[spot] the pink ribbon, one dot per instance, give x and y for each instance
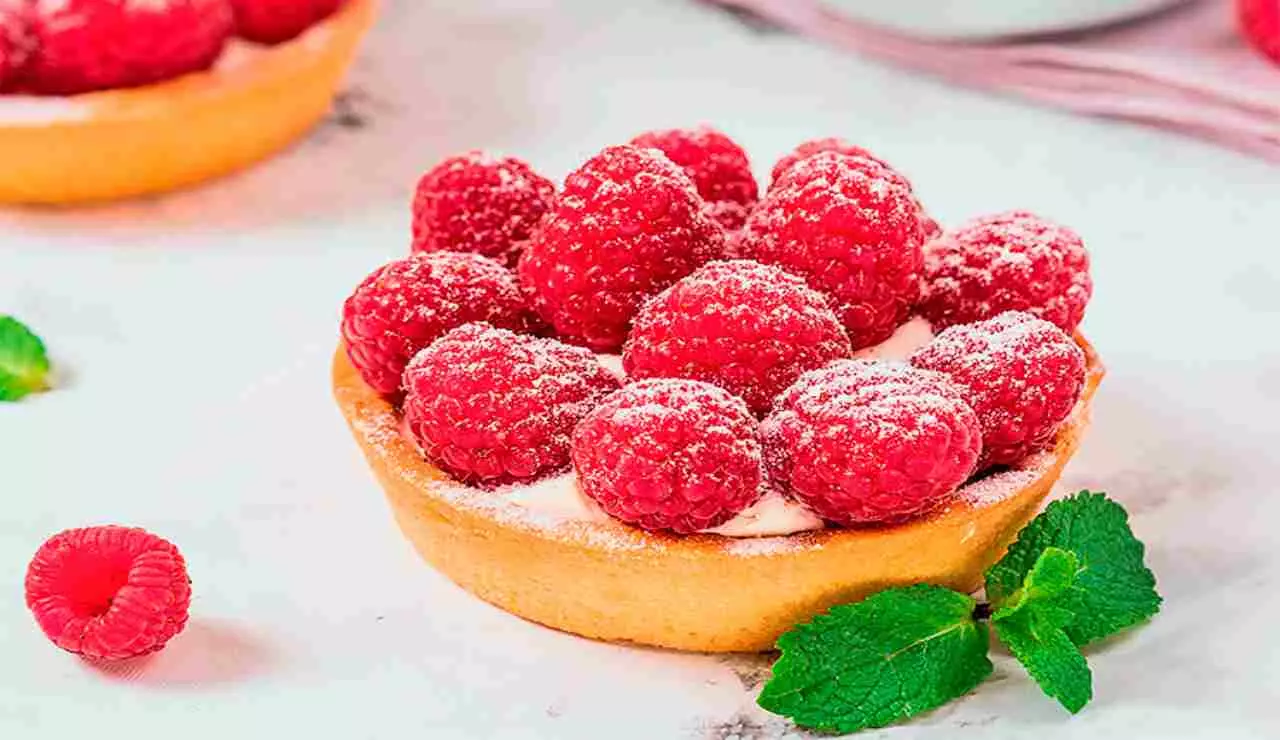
(1186, 70)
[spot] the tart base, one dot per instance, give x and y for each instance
(121, 143)
(706, 593)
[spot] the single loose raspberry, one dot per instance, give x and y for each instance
(1013, 261)
(274, 21)
(405, 305)
(865, 442)
(628, 224)
(85, 45)
(852, 228)
(812, 147)
(1022, 375)
(749, 328)
(108, 592)
(669, 454)
(16, 43)
(476, 202)
(718, 167)
(492, 407)
(1260, 23)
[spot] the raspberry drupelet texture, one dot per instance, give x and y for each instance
(749, 328)
(275, 21)
(477, 202)
(493, 407)
(1022, 375)
(864, 443)
(406, 304)
(628, 224)
(86, 45)
(108, 592)
(812, 147)
(852, 228)
(718, 167)
(670, 455)
(1013, 261)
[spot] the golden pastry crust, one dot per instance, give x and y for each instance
(121, 143)
(704, 592)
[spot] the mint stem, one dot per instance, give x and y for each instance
(982, 611)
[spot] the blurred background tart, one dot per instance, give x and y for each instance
(101, 101)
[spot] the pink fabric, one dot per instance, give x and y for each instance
(1186, 70)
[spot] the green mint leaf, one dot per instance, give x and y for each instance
(1035, 636)
(872, 663)
(1054, 572)
(1112, 590)
(24, 365)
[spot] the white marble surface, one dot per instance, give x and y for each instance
(193, 333)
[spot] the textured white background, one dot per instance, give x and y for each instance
(193, 334)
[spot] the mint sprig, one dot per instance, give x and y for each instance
(1075, 575)
(1113, 590)
(24, 363)
(880, 660)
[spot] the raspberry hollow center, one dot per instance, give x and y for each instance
(91, 582)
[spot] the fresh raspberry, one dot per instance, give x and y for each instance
(406, 304)
(15, 41)
(628, 224)
(475, 202)
(852, 228)
(1011, 261)
(1260, 22)
(816, 146)
(749, 328)
(669, 454)
(1021, 374)
(865, 442)
(494, 407)
(108, 592)
(85, 45)
(718, 167)
(274, 21)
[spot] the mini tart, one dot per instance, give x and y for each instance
(121, 143)
(707, 593)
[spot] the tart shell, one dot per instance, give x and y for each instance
(708, 593)
(121, 143)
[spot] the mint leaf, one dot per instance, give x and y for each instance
(1112, 590)
(24, 365)
(1030, 624)
(1035, 636)
(872, 663)
(1054, 572)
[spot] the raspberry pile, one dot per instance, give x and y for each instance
(78, 46)
(737, 351)
(108, 592)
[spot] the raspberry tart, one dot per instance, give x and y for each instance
(783, 430)
(107, 99)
